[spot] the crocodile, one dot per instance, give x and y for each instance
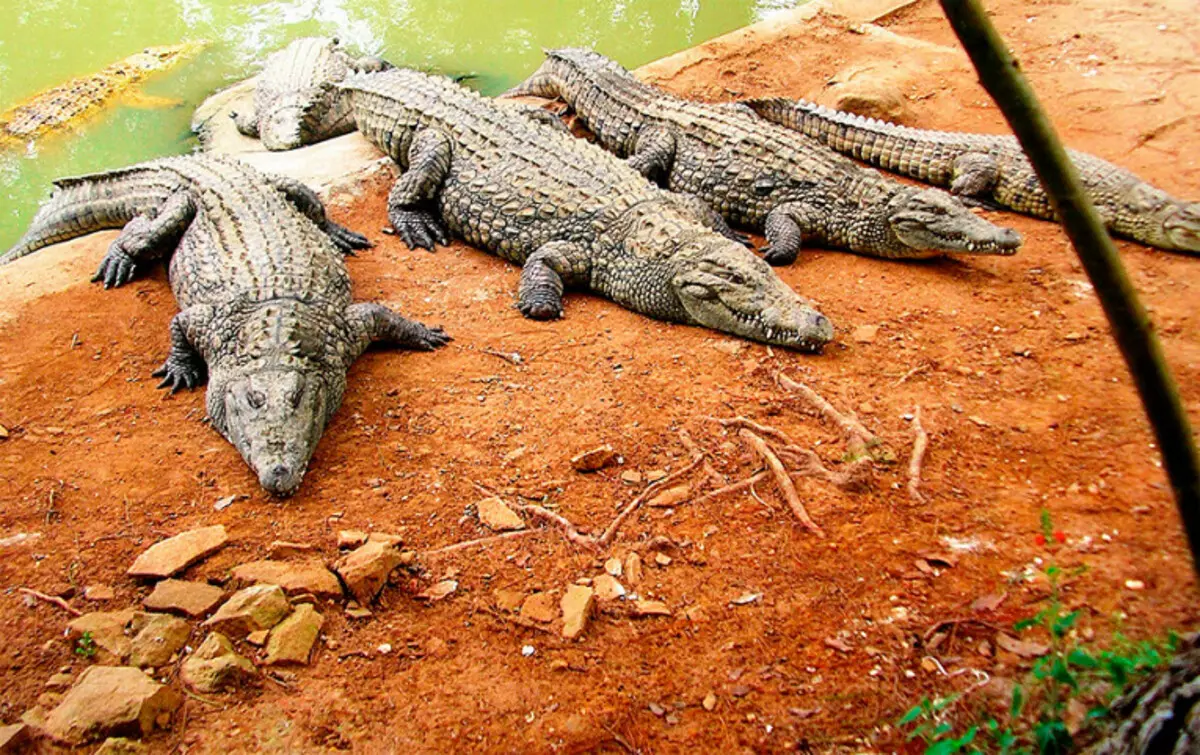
(569, 213)
(258, 272)
(67, 105)
(759, 175)
(995, 168)
(296, 101)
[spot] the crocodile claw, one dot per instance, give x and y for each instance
(116, 269)
(431, 338)
(179, 373)
(345, 239)
(776, 257)
(418, 228)
(540, 310)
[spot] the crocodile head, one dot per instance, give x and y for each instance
(931, 221)
(164, 57)
(291, 119)
(1154, 217)
(723, 286)
(1181, 227)
(274, 418)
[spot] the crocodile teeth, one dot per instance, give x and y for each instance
(770, 333)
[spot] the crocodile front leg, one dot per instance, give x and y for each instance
(145, 238)
(308, 203)
(654, 152)
(711, 219)
(369, 64)
(975, 174)
(185, 365)
(370, 322)
(428, 164)
(545, 275)
(540, 115)
(785, 227)
(246, 121)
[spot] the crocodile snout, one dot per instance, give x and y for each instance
(280, 480)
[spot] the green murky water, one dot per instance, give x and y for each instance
(46, 42)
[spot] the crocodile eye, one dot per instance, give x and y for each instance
(256, 399)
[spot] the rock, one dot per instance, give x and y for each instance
(497, 516)
(662, 559)
(594, 460)
(607, 587)
(385, 537)
(177, 553)
(121, 746)
(630, 477)
(215, 666)
(644, 608)
(633, 568)
(292, 639)
(654, 475)
(613, 567)
(61, 680)
(438, 590)
(106, 636)
(355, 611)
(508, 600)
(577, 606)
(284, 549)
(249, 610)
(865, 333)
(188, 598)
(351, 538)
(108, 700)
(259, 638)
(539, 607)
(98, 593)
(14, 738)
(308, 576)
(670, 497)
(366, 569)
(870, 93)
(159, 636)
(710, 701)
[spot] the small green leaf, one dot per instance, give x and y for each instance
(913, 713)
(1018, 702)
(1052, 737)
(1064, 624)
(1082, 658)
(1098, 712)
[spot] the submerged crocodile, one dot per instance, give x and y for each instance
(264, 297)
(570, 214)
(296, 100)
(994, 167)
(69, 104)
(760, 175)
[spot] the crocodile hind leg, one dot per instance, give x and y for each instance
(428, 164)
(545, 275)
(246, 121)
(784, 228)
(654, 152)
(371, 322)
(975, 174)
(185, 365)
(541, 116)
(308, 203)
(145, 238)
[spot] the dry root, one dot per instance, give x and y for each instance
(920, 445)
(786, 486)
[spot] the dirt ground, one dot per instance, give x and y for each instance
(1027, 401)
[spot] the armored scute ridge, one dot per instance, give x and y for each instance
(994, 167)
(262, 287)
(760, 175)
(571, 214)
(296, 100)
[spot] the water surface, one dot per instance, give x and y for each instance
(46, 42)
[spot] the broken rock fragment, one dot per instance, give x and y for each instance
(365, 570)
(497, 516)
(594, 460)
(158, 637)
(121, 746)
(215, 666)
(577, 605)
(608, 588)
(539, 607)
(292, 639)
(249, 610)
(100, 636)
(308, 576)
(110, 700)
(175, 554)
(188, 598)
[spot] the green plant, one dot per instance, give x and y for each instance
(1069, 671)
(85, 646)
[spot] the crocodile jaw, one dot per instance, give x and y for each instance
(721, 285)
(932, 221)
(274, 418)
(1181, 228)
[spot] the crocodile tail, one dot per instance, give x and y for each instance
(541, 83)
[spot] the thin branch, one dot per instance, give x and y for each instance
(55, 600)
(858, 438)
(480, 541)
(611, 532)
(920, 444)
(571, 532)
(728, 489)
(755, 427)
(786, 486)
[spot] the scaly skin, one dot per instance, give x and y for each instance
(760, 175)
(264, 296)
(994, 167)
(296, 100)
(69, 104)
(570, 214)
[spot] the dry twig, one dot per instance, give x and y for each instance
(920, 444)
(480, 541)
(728, 489)
(858, 438)
(786, 486)
(713, 475)
(51, 599)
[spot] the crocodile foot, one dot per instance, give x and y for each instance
(116, 269)
(418, 228)
(428, 339)
(345, 239)
(540, 310)
(775, 256)
(180, 372)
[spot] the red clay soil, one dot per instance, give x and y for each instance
(1028, 404)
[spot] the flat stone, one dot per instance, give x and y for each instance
(539, 607)
(98, 593)
(351, 538)
(355, 611)
(292, 639)
(259, 638)
(650, 608)
(106, 629)
(509, 600)
(294, 577)
(630, 477)
(14, 738)
(110, 700)
(385, 537)
(497, 516)
(215, 666)
(671, 497)
(594, 460)
(61, 680)
(159, 636)
(285, 549)
(251, 609)
(365, 570)
(865, 333)
(607, 587)
(176, 553)
(662, 559)
(633, 568)
(614, 566)
(121, 746)
(188, 598)
(577, 606)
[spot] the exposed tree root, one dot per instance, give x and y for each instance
(52, 599)
(858, 438)
(725, 490)
(480, 541)
(920, 445)
(786, 486)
